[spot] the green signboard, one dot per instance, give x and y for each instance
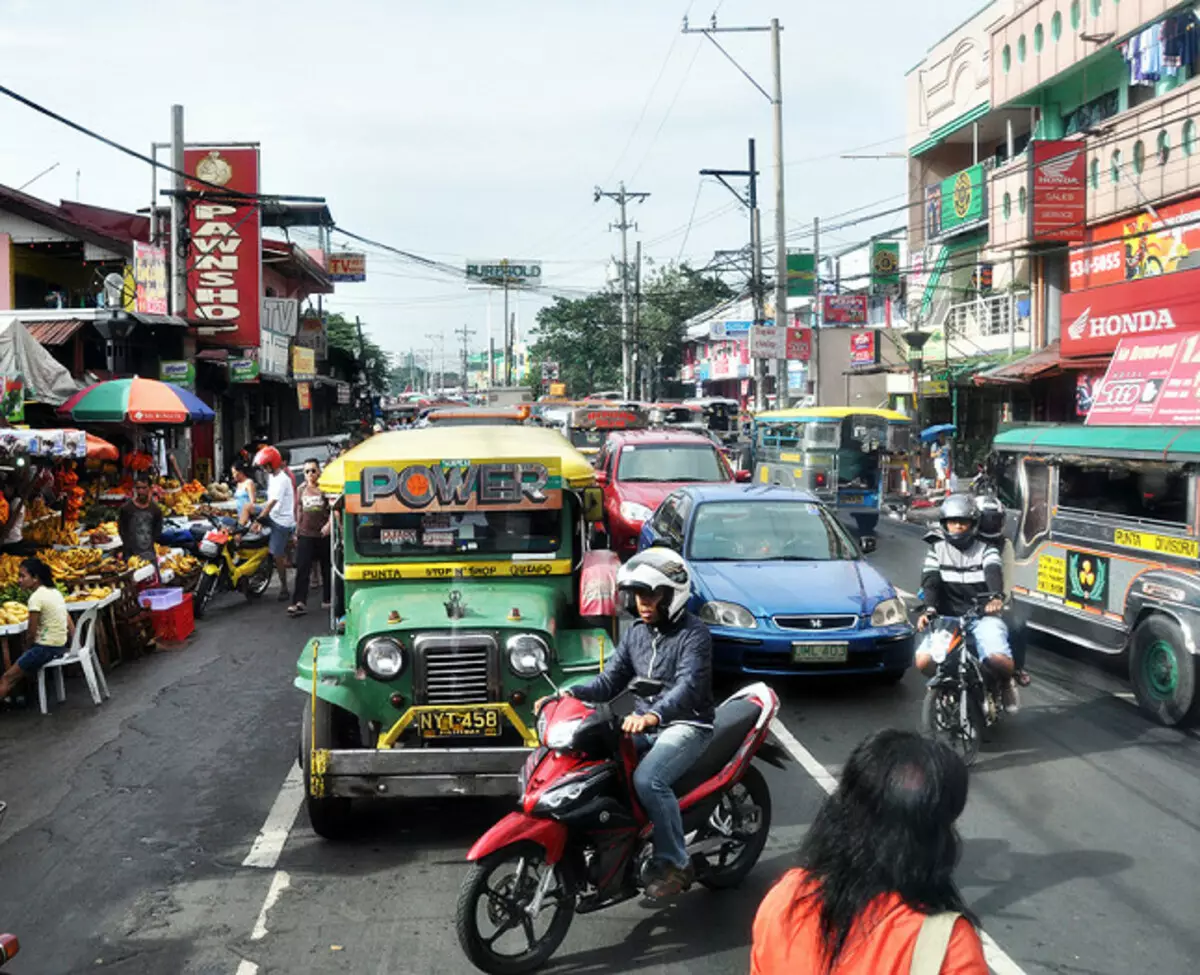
(964, 201)
(243, 370)
(801, 274)
(885, 267)
(178, 371)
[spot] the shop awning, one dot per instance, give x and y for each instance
(57, 332)
(1042, 364)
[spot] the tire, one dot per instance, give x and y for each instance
(205, 589)
(1163, 672)
(475, 887)
(260, 582)
(723, 877)
(940, 721)
(330, 817)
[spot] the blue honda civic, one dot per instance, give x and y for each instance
(782, 586)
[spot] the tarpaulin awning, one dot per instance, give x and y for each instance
(55, 332)
(46, 379)
(1042, 364)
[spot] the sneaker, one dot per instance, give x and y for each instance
(1011, 697)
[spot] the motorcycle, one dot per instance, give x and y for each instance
(581, 841)
(232, 561)
(9, 946)
(962, 699)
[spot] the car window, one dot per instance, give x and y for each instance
(1035, 516)
(739, 531)
(301, 455)
(670, 463)
(667, 522)
(1153, 491)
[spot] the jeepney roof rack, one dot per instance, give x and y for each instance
(1180, 445)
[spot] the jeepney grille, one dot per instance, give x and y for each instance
(816, 624)
(456, 671)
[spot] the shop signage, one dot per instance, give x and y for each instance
(844, 309)
(343, 394)
(934, 388)
(304, 363)
(149, 280)
(281, 315)
(304, 396)
(274, 354)
(224, 281)
(1095, 320)
(770, 342)
(12, 407)
(963, 198)
(1087, 385)
(311, 335)
(1058, 191)
(885, 267)
(504, 271)
(245, 369)
(729, 330)
(799, 344)
(1153, 380)
(1140, 246)
(864, 349)
(181, 372)
(801, 273)
(346, 266)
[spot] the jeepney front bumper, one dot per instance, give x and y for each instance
(363, 773)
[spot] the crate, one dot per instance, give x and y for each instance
(159, 599)
(176, 624)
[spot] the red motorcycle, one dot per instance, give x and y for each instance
(581, 840)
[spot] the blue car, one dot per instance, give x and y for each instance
(782, 586)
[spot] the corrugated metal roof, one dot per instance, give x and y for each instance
(54, 332)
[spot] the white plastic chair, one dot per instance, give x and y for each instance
(82, 652)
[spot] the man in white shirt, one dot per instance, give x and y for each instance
(279, 512)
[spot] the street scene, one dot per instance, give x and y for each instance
(731, 506)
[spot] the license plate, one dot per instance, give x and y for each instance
(454, 724)
(851, 499)
(820, 653)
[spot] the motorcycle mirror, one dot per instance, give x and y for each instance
(868, 544)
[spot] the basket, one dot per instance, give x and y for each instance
(156, 600)
(176, 624)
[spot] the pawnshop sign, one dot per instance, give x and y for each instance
(224, 279)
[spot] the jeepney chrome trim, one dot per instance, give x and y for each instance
(1071, 637)
(466, 683)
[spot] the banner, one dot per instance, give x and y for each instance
(224, 281)
(799, 344)
(1139, 246)
(181, 372)
(801, 274)
(844, 309)
(963, 199)
(149, 280)
(304, 363)
(12, 407)
(1153, 380)
(346, 266)
(885, 267)
(274, 354)
(245, 369)
(304, 396)
(281, 315)
(864, 349)
(343, 394)
(1095, 320)
(1058, 191)
(1087, 385)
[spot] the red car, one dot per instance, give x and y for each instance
(639, 468)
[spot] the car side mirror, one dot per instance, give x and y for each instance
(743, 477)
(593, 504)
(868, 544)
(602, 478)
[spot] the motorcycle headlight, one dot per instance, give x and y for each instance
(384, 658)
(632, 511)
(717, 613)
(890, 612)
(528, 655)
(562, 734)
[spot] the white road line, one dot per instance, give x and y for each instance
(279, 883)
(997, 960)
(268, 844)
(246, 968)
(904, 593)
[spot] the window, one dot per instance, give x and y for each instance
(1139, 157)
(1006, 58)
(1021, 199)
(1189, 137)
(1150, 491)
(1164, 147)
(670, 463)
(1007, 205)
(581, 437)
(1039, 38)
(1075, 15)
(1095, 8)
(1035, 513)
(668, 522)
(1021, 48)
(768, 531)
(1056, 25)
(1095, 174)
(449, 534)
(1115, 168)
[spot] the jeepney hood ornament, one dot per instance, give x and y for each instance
(456, 609)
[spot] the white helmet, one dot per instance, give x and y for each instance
(658, 569)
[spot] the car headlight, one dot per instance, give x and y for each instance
(528, 655)
(890, 612)
(632, 511)
(562, 734)
(384, 658)
(717, 613)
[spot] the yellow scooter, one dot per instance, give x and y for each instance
(232, 560)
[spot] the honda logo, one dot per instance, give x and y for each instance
(815, 624)
(1130, 323)
(1055, 170)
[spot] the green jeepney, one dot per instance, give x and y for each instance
(461, 562)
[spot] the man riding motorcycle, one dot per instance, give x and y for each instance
(959, 568)
(672, 728)
(991, 530)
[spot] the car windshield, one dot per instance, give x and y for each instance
(459, 533)
(674, 463)
(298, 456)
(767, 531)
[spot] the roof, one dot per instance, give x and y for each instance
(54, 332)
(471, 443)
(659, 435)
(1040, 365)
(733, 491)
(111, 230)
(831, 413)
(1179, 444)
(290, 261)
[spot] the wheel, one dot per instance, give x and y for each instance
(335, 728)
(941, 719)
(260, 581)
(1163, 672)
(494, 927)
(205, 590)
(743, 815)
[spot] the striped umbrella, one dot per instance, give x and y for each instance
(136, 400)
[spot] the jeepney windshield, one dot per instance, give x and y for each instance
(822, 434)
(459, 533)
(587, 438)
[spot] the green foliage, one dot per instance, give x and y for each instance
(343, 334)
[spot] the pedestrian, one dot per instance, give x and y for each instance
(875, 876)
(140, 523)
(940, 451)
(49, 622)
(312, 539)
(279, 513)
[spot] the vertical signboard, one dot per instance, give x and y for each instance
(224, 280)
(304, 396)
(864, 349)
(885, 267)
(149, 293)
(1058, 191)
(801, 274)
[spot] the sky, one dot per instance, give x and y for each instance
(461, 130)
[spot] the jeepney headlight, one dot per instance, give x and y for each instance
(890, 612)
(383, 658)
(528, 655)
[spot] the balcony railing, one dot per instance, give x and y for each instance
(994, 324)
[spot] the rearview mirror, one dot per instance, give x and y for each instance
(593, 504)
(742, 477)
(602, 478)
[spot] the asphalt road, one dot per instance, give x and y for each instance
(157, 834)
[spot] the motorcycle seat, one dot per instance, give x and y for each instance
(254, 541)
(734, 718)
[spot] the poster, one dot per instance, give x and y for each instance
(304, 362)
(1087, 578)
(149, 279)
(864, 349)
(844, 309)
(1087, 385)
(1151, 381)
(14, 399)
(1139, 246)
(304, 396)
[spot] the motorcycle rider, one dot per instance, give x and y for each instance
(991, 530)
(960, 567)
(672, 729)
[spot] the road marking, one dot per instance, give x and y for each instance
(997, 959)
(268, 844)
(246, 968)
(279, 883)
(904, 593)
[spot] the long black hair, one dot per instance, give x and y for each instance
(39, 570)
(889, 828)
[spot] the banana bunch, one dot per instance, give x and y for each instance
(12, 613)
(137, 562)
(49, 533)
(73, 564)
(182, 565)
(86, 594)
(8, 570)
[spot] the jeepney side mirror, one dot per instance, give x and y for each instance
(593, 501)
(602, 478)
(743, 476)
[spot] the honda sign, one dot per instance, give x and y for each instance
(1058, 191)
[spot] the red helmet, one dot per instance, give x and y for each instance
(269, 458)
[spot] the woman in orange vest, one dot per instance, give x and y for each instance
(876, 872)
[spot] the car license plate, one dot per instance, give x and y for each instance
(820, 653)
(851, 499)
(455, 724)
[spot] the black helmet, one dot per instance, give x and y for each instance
(960, 507)
(991, 519)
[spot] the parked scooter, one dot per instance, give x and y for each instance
(581, 841)
(233, 559)
(9, 946)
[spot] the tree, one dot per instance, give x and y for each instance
(372, 360)
(671, 295)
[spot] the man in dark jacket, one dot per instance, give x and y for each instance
(674, 726)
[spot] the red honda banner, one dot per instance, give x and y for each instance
(1139, 246)
(1058, 191)
(1151, 381)
(224, 278)
(1095, 320)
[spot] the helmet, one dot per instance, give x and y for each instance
(991, 519)
(658, 569)
(269, 458)
(960, 507)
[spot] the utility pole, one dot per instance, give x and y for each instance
(817, 315)
(436, 341)
(465, 334)
(641, 361)
(622, 196)
(179, 260)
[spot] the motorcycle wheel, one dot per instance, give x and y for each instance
(492, 909)
(260, 582)
(738, 858)
(329, 816)
(205, 590)
(941, 720)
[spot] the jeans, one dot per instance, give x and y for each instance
(672, 751)
(991, 638)
(307, 549)
(37, 656)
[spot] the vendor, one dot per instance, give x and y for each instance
(14, 524)
(50, 624)
(140, 522)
